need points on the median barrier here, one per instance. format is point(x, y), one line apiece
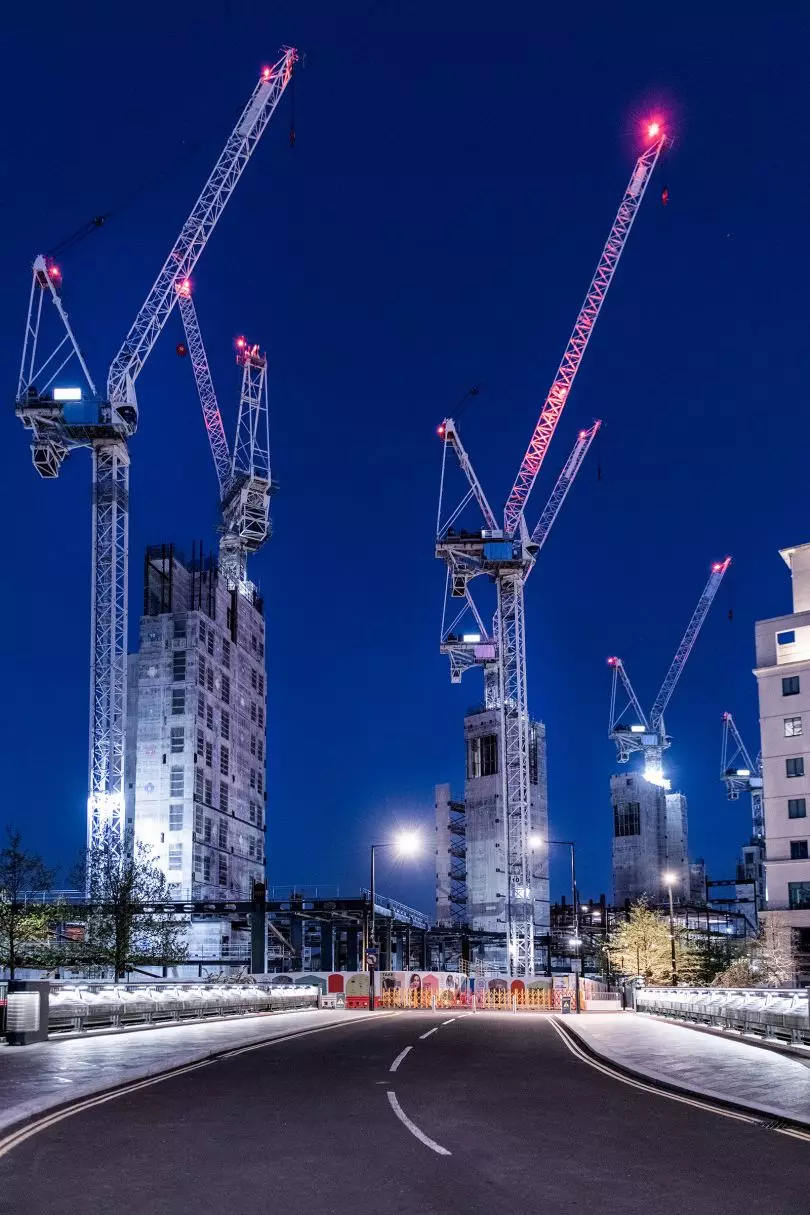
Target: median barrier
point(776, 1013)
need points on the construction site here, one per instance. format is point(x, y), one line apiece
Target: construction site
point(177, 732)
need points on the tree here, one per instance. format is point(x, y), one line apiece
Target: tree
point(768, 960)
point(124, 923)
point(641, 945)
point(24, 926)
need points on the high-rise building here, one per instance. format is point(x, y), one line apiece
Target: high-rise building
point(783, 678)
point(471, 864)
point(196, 728)
point(650, 838)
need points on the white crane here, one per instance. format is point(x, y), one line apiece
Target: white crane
point(243, 474)
point(64, 418)
point(507, 555)
point(649, 735)
point(741, 774)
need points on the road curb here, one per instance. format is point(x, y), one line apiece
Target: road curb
point(769, 1118)
point(45, 1108)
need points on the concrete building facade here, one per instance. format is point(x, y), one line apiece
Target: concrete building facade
point(196, 790)
point(783, 679)
point(471, 880)
point(650, 838)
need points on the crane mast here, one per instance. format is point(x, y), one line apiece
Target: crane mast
point(61, 424)
point(741, 774)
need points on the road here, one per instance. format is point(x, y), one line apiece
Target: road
point(487, 1113)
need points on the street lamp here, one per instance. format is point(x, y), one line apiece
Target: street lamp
point(537, 841)
point(406, 843)
point(669, 880)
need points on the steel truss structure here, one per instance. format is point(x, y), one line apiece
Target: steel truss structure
point(63, 420)
point(742, 777)
point(245, 484)
point(507, 555)
point(649, 735)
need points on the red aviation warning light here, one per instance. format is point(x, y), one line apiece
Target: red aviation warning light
point(55, 273)
point(613, 662)
point(267, 73)
point(240, 343)
point(184, 287)
point(441, 431)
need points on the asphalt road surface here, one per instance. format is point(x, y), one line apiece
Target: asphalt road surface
point(487, 1113)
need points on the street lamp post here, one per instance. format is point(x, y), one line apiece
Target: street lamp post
point(537, 841)
point(407, 843)
point(670, 879)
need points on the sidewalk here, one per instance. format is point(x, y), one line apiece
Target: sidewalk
point(36, 1078)
point(762, 1080)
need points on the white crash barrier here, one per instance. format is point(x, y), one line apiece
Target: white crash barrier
point(772, 1013)
point(80, 1006)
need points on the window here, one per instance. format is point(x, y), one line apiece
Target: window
point(200, 742)
point(224, 760)
point(176, 782)
point(261, 716)
point(797, 807)
point(223, 871)
point(259, 781)
point(226, 652)
point(253, 778)
point(253, 680)
point(252, 711)
point(209, 679)
point(202, 631)
point(223, 795)
point(178, 700)
point(793, 727)
point(210, 641)
point(798, 850)
point(180, 628)
point(201, 672)
point(253, 744)
point(258, 817)
point(176, 818)
point(178, 740)
point(226, 690)
point(209, 717)
point(206, 869)
point(534, 758)
point(261, 649)
point(627, 819)
point(209, 755)
point(175, 856)
point(790, 685)
point(207, 831)
point(252, 812)
point(482, 756)
point(258, 850)
point(179, 666)
point(200, 705)
point(798, 895)
point(260, 749)
point(198, 784)
point(252, 848)
point(253, 642)
point(223, 835)
point(209, 791)
point(261, 685)
point(795, 766)
point(786, 638)
point(198, 820)
point(225, 724)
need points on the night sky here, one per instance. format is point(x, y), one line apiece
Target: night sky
point(455, 172)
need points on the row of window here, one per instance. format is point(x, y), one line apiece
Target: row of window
point(204, 788)
point(482, 756)
point(627, 819)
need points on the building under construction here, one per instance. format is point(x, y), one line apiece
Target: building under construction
point(196, 790)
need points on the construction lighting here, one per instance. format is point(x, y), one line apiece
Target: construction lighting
point(67, 394)
point(575, 942)
point(743, 772)
point(668, 878)
point(636, 729)
point(536, 841)
point(656, 777)
point(471, 637)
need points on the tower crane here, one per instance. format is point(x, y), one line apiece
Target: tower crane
point(63, 418)
point(649, 735)
point(741, 775)
point(507, 555)
point(243, 474)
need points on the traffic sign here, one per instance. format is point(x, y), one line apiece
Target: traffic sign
point(371, 957)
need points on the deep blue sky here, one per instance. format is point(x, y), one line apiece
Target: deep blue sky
point(456, 169)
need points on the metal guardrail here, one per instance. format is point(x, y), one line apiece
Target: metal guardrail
point(81, 1006)
point(778, 1013)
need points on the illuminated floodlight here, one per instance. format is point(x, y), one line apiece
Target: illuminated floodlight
point(471, 637)
point(408, 843)
point(743, 772)
point(67, 394)
point(536, 841)
point(636, 729)
point(669, 878)
point(653, 130)
point(655, 776)
point(575, 942)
